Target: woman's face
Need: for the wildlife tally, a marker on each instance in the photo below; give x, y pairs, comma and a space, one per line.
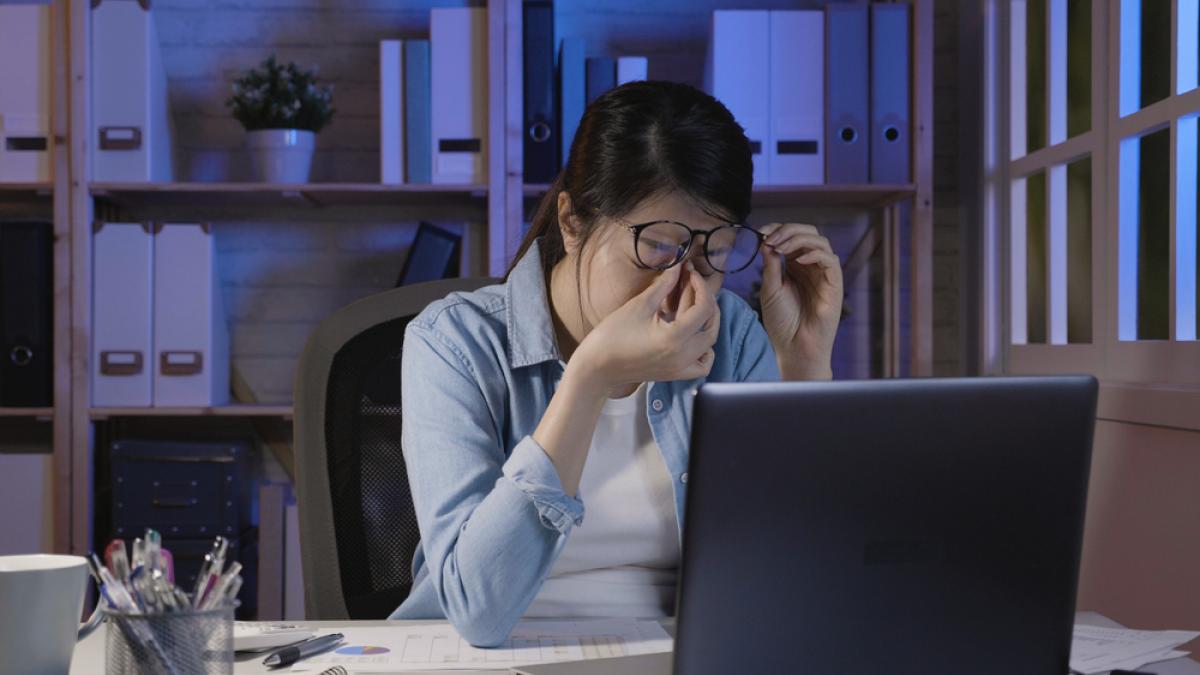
611, 275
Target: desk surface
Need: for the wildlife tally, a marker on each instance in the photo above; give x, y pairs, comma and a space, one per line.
89, 654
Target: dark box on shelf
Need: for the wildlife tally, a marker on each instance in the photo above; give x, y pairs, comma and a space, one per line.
183, 490
190, 492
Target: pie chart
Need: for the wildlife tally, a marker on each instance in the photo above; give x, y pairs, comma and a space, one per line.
362, 650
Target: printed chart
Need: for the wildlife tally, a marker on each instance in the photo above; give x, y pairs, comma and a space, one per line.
436, 646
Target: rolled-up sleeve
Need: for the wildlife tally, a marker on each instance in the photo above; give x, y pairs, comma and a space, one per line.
491, 526
530, 468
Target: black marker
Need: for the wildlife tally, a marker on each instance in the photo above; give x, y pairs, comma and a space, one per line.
289, 655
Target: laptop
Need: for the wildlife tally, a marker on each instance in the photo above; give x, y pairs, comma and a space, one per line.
888, 526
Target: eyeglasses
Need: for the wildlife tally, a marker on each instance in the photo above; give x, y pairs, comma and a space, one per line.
662, 244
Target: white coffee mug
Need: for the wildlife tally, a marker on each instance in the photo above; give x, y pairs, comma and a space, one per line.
41, 598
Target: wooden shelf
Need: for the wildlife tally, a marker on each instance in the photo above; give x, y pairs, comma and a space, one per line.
314, 195
39, 413
871, 196
232, 410
26, 193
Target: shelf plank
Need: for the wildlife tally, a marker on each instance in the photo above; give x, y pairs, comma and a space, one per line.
232, 410
315, 195
38, 187
46, 413
26, 193
871, 196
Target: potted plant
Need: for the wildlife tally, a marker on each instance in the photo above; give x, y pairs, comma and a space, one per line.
282, 108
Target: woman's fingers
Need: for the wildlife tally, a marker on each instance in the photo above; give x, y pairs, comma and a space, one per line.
700, 367
776, 232
692, 318
797, 241
828, 262
659, 290
687, 297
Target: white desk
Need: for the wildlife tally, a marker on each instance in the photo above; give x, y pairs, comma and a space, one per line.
89, 654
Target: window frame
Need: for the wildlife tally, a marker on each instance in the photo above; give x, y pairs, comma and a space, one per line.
1172, 361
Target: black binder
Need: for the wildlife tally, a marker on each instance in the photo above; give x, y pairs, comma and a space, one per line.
26, 317
601, 76
541, 127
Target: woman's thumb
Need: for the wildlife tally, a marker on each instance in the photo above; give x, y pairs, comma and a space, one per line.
661, 287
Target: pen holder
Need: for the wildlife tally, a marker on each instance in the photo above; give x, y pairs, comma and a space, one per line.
179, 643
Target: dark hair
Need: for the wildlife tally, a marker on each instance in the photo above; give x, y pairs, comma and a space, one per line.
641, 139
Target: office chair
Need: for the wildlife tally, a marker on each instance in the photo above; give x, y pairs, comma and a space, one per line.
358, 531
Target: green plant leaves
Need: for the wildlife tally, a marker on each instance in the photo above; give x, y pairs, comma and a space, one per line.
276, 96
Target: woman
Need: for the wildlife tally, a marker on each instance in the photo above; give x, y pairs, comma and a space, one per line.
567, 390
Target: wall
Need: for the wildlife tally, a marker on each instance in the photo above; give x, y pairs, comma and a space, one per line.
281, 276
1141, 557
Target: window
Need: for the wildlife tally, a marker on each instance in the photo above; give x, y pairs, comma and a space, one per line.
1091, 174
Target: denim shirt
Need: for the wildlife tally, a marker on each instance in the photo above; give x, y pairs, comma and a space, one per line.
478, 373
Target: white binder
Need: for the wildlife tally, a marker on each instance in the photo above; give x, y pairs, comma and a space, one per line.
458, 65
25, 93
796, 153
632, 69
131, 123
391, 112
191, 341
122, 306
737, 74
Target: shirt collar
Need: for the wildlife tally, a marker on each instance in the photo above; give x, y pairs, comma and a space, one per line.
531, 337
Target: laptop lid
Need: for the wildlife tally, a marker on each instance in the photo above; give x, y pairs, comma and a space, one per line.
897, 526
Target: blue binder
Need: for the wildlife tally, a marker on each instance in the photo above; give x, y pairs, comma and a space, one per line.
847, 80
601, 76
541, 132
418, 129
891, 137
572, 80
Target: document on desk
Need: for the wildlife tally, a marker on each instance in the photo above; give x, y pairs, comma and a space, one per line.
439, 647
1098, 650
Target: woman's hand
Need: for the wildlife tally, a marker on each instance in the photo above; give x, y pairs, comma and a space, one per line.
653, 338
801, 299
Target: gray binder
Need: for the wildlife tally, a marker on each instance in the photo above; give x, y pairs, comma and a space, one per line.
891, 139
847, 80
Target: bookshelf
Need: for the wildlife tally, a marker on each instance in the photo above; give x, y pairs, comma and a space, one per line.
39, 413
494, 210
40, 189
870, 196
315, 195
232, 410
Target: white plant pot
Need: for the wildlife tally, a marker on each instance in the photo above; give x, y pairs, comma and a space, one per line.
281, 155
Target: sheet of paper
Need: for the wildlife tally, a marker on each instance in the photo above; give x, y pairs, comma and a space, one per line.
1096, 650
439, 647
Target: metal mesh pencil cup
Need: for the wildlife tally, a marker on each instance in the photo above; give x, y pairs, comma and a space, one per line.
181, 643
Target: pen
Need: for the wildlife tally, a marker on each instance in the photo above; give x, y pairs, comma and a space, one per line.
289, 655
217, 595
202, 579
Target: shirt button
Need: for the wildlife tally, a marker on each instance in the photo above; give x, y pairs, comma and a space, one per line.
657, 404
683, 478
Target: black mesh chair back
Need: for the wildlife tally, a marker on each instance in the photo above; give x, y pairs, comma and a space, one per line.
358, 531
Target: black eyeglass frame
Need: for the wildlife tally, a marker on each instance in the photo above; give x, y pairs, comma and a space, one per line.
636, 229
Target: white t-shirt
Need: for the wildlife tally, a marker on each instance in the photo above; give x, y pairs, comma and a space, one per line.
622, 561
